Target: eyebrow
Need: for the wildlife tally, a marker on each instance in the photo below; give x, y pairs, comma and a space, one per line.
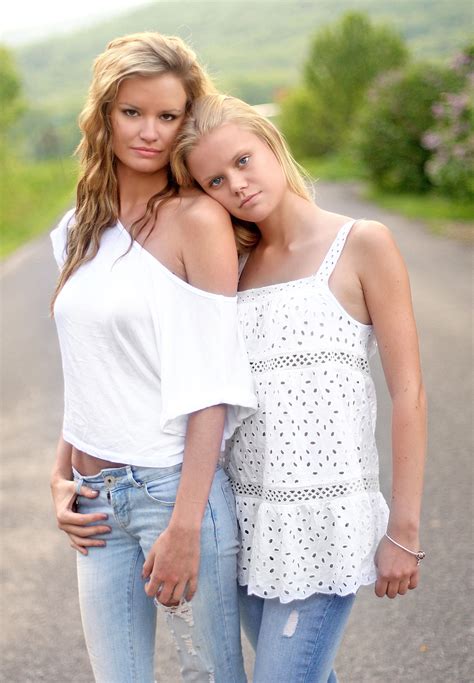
134, 106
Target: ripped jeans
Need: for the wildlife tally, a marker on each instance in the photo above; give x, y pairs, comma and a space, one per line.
295, 641
119, 619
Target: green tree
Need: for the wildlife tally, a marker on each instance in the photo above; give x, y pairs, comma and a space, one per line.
343, 61
11, 104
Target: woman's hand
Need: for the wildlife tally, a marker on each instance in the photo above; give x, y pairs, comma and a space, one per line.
172, 566
397, 570
74, 524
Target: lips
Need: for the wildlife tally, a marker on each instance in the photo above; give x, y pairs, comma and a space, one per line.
248, 199
147, 150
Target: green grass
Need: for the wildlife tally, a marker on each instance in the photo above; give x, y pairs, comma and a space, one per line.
333, 167
33, 196
444, 216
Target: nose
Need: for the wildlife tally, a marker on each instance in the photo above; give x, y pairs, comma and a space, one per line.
238, 182
149, 130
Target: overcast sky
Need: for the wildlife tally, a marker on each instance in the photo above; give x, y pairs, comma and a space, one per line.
26, 20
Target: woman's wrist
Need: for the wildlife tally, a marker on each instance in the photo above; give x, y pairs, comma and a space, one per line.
186, 521
58, 476
404, 531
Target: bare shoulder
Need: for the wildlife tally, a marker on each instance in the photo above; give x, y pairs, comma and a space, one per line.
373, 243
371, 235
197, 211
207, 243
377, 257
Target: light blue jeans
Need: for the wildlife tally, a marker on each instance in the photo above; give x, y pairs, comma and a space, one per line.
119, 620
295, 641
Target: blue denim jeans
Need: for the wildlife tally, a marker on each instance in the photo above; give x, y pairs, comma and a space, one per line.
119, 619
295, 641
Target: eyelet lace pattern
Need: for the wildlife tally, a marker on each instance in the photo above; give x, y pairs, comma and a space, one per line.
296, 360
304, 468
297, 495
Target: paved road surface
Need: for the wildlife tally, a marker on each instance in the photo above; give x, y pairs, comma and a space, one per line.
425, 637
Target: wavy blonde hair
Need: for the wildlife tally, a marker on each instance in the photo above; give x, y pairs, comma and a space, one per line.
146, 54
215, 110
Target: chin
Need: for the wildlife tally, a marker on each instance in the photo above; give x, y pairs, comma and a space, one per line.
253, 216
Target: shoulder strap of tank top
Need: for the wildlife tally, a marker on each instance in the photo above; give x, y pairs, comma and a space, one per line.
335, 250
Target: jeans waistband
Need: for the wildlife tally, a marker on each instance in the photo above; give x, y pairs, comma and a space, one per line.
129, 475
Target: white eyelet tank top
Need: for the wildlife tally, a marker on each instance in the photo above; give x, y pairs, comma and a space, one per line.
304, 467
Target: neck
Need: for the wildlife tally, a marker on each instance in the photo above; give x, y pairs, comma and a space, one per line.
137, 188
290, 222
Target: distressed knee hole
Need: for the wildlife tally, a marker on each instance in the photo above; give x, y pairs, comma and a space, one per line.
188, 641
182, 611
291, 624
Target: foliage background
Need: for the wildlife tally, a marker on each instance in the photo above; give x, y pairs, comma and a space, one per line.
254, 49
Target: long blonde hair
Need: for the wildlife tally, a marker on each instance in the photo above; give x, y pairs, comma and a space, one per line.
144, 54
215, 110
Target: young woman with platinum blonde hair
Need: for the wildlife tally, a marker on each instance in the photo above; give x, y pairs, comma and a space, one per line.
317, 290
155, 377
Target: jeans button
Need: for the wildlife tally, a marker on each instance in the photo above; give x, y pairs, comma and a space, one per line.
109, 481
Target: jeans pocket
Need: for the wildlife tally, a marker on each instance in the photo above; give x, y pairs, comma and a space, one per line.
163, 491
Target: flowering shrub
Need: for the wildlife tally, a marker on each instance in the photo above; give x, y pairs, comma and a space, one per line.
451, 139
397, 113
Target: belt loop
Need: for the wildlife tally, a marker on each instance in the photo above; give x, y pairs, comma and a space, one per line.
79, 483
131, 478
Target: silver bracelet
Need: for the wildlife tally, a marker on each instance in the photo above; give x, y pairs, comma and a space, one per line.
420, 555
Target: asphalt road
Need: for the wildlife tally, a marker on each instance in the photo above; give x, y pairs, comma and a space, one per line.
424, 637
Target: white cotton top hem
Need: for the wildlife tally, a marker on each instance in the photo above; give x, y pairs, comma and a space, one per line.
142, 350
338, 565
128, 457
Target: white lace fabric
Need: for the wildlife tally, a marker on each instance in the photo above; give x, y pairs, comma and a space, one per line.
304, 468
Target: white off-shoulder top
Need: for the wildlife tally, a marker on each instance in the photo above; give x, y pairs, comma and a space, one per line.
304, 467
141, 350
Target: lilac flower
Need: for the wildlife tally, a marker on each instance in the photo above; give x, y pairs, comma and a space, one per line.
431, 140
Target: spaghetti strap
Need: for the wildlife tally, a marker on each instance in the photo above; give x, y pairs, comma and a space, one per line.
327, 266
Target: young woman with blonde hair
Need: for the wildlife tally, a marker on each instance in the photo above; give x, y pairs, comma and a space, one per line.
155, 377
317, 289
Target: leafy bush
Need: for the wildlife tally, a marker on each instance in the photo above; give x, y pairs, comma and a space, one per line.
451, 139
11, 104
397, 113
305, 125
33, 196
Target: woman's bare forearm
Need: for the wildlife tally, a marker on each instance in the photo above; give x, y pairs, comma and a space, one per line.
62, 467
201, 453
408, 459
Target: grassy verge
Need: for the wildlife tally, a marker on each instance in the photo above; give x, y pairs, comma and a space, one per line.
33, 196
443, 215
333, 167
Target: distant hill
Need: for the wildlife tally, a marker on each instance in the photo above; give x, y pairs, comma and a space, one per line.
253, 48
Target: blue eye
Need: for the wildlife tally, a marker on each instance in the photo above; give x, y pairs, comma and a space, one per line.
168, 117
132, 113
243, 161
215, 182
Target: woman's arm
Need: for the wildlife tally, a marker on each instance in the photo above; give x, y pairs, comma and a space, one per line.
210, 258
386, 289
63, 490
